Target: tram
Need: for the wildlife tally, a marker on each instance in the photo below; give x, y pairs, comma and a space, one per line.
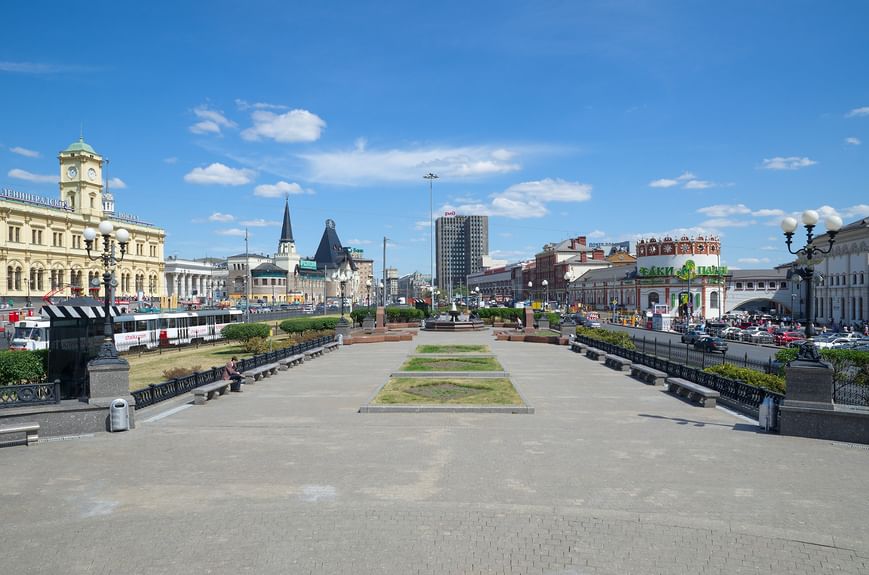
141, 331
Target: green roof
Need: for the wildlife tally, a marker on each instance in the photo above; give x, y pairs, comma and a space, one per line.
80, 146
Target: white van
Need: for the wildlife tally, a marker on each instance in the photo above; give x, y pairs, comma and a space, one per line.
30, 334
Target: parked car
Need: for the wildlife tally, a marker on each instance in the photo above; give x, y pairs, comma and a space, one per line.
710, 344
788, 336
731, 333
692, 336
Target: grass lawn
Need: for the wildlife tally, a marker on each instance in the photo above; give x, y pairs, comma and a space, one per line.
148, 368
452, 348
449, 391
457, 363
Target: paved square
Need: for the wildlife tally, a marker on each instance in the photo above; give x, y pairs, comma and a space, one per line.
609, 476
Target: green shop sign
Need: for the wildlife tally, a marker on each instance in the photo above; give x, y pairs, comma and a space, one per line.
689, 269
307, 265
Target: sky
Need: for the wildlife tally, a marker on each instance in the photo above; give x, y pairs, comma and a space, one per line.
616, 120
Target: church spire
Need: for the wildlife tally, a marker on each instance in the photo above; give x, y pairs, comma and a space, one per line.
287, 228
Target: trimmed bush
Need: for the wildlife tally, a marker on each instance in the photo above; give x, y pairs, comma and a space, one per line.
750, 376
403, 314
504, 313
18, 367
177, 372
303, 324
619, 338
256, 345
245, 331
849, 366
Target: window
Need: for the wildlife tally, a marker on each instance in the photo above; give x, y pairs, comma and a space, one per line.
738, 285
713, 300
140, 248
57, 239
783, 285
36, 237
76, 242
749, 285
14, 233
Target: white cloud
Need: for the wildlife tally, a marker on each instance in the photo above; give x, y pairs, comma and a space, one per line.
259, 223
292, 126
170, 160
245, 105
723, 210
768, 213
117, 183
697, 185
220, 174
753, 260
596, 234
852, 141
361, 165
30, 177
663, 183
686, 176
527, 199
35, 68
856, 212
279, 190
788, 163
218, 217
231, 232
357, 242
422, 225
211, 121
24, 152
857, 112
769, 248
725, 223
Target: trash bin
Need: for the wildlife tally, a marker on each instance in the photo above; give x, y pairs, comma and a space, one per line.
119, 416
766, 414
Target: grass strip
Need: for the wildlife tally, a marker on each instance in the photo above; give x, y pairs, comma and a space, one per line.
448, 391
452, 364
452, 348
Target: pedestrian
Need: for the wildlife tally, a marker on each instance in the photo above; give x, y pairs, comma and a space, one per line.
230, 372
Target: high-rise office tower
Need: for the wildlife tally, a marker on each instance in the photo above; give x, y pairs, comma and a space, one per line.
460, 242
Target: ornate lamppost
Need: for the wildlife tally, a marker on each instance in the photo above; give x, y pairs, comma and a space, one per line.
545, 284
107, 349
807, 259
568, 279
342, 275
368, 299
530, 297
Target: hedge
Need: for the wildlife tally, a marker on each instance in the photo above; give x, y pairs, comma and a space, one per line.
245, 331
17, 367
849, 366
619, 338
393, 314
301, 324
750, 376
505, 313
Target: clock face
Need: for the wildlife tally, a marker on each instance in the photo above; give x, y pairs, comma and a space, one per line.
71, 172
92, 174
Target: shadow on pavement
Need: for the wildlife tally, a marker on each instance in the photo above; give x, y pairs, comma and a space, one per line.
695, 423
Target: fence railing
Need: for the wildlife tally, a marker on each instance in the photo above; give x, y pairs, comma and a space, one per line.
30, 394
157, 392
737, 395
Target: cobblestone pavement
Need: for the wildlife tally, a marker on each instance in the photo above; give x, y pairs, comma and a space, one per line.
609, 476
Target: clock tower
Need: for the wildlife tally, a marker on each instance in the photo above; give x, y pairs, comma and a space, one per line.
81, 176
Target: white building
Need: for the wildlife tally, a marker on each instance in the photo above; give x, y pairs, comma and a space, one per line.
200, 281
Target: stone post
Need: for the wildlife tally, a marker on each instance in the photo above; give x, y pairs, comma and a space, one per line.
109, 379
529, 320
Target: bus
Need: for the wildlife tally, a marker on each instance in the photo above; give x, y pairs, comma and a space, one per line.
140, 331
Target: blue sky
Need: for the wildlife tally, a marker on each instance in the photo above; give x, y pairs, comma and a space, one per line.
616, 120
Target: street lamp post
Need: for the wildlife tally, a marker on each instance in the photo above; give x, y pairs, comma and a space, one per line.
545, 284
107, 349
568, 278
382, 294
342, 275
368, 299
431, 177
477, 291
530, 296
806, 257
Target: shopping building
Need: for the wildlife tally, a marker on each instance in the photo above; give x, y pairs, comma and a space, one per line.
41, 245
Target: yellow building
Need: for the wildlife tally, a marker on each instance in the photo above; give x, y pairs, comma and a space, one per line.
42, 251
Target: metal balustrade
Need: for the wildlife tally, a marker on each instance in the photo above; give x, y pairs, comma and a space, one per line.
157, 392
30, 394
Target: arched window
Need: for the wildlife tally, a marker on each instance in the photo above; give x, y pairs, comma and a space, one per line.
713, 300
653, 299
10, 278
18, 278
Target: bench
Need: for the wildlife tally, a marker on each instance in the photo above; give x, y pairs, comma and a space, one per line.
314, 352
617, 363
331, 346
257, 373
214, 390
31, 431
291, 361
696, 393
578, 347
595, 354
648, 375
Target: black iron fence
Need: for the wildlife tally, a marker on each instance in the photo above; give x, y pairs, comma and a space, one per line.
30, 394
157, 392
737, 395
686, 354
